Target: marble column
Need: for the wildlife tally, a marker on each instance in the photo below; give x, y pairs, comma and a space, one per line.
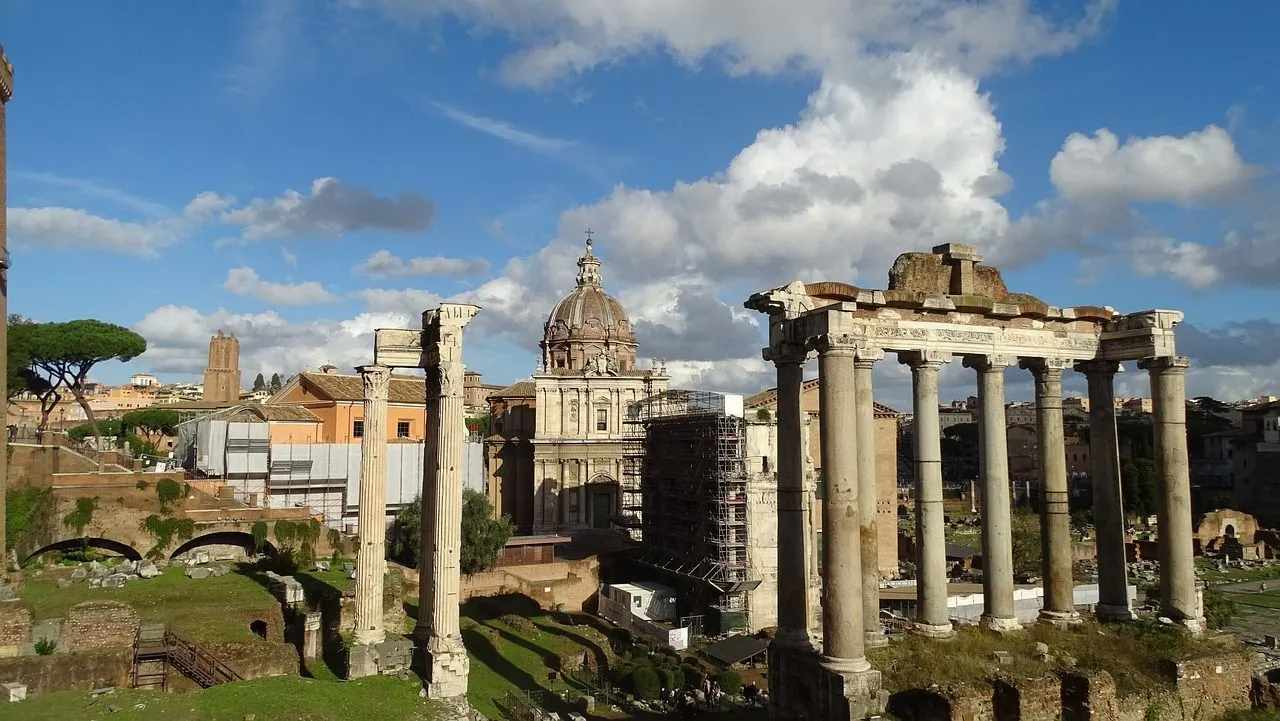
843, 646
998, 613
444, 656
793, 586
1108, 500
371, 560
932, 618
1179, 598
868, 494
1055, 511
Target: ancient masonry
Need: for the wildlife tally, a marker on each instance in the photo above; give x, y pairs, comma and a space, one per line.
939, 305
222, 376
6, 92
437, 349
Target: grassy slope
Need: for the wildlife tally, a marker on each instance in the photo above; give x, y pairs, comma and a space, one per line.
284, 698
210, 609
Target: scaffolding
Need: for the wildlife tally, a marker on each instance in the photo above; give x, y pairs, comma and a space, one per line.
689, 481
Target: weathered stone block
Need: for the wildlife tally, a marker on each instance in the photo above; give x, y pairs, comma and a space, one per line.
14, 692
198, 572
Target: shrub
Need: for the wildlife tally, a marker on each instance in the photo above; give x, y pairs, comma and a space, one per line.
645, 682
693, 676
168, 491
1219, 609
79, 518
730, 682
259, 533
672, 677
46, 647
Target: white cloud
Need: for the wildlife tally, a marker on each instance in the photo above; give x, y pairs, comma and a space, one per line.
385, 264
55, 227
97, 190
207, 205
178, 338
1188, 262
245, 281
1195, 167
1250, 256
505, 131
332, 208
408, 302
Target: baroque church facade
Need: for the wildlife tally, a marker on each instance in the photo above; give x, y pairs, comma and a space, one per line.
555, 453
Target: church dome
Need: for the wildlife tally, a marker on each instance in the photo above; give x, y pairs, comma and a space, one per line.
588, 329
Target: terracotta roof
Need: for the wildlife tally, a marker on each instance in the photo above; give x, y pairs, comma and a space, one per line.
287, 413
519, 389
769, 396
341, 387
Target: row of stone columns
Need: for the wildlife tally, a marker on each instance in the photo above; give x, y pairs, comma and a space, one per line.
850, 586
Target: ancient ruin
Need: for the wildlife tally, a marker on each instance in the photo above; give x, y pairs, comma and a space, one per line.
937, 306
437, 349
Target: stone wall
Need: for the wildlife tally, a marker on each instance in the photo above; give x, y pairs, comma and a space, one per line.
99, 625
15, 629
70, 671
563, 585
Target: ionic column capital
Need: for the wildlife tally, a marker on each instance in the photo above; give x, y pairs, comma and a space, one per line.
1177, 364
989, 363
866, 358
928, 359
1050, 367
1098, 367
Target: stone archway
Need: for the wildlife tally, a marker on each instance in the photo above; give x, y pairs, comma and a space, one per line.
235, 539
72, 544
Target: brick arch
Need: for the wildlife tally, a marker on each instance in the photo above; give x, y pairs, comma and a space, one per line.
223, 538
70, 544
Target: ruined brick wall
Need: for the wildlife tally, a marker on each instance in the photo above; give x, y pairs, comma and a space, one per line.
15, 629
99, 625
971, 702
67, 671
1210, 686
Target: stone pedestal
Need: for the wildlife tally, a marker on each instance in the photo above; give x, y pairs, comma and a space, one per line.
443, 656
311, 636
804, 687
393, 654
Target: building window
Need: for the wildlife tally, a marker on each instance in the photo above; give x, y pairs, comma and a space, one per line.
602, 419
357, 429
402, 429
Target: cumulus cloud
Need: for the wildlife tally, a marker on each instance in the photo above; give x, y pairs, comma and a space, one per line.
245, 281
56, 227
1194, 167
178, 337
1188, 262
331, 208
385, 264
408, 302
1250, 256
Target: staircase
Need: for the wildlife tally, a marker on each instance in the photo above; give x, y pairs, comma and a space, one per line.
156, 649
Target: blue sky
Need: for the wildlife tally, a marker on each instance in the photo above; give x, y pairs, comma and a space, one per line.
182, 169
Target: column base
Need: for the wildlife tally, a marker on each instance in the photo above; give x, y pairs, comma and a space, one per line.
393, 654
840, 665
1059, 619
445, 667
875, 639
1107, 612
807, 687
1194, 626
933, 630
998, 624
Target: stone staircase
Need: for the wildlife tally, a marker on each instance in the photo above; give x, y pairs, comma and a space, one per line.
157, 649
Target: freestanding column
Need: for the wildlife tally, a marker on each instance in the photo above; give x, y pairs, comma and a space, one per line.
371, 560
1055, 511
842, 640
1178, 597
6, 92
793, 586
868, 494
931, 542
998, 613
1108, 500
445, 657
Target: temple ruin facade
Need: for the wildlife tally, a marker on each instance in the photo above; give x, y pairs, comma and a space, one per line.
938, 307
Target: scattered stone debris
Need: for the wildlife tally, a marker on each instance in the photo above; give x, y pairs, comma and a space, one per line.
1002, 657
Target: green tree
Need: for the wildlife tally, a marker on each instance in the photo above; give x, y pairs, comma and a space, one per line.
1138, 483
23, 338
68, 351
276, 385
645, 682
167, 491
483, 536
259, 383
153, 423
1025, 533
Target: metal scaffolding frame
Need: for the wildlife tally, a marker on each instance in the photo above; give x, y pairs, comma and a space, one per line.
689, 481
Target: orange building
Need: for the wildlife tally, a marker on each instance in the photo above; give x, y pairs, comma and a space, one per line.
337, 400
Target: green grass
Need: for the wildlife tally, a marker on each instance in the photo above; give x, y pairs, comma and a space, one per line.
1132, 653
209, 609
283, 698
1265, 599
1208, 572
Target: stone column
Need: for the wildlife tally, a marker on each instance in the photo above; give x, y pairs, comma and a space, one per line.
842, 639
1055, 511
793, 586
998, 612
444, 656
1179, 599
6, 93
371, 560
931, 542
1108, 500
868, 494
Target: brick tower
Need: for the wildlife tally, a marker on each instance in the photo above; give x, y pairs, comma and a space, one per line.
222, 376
